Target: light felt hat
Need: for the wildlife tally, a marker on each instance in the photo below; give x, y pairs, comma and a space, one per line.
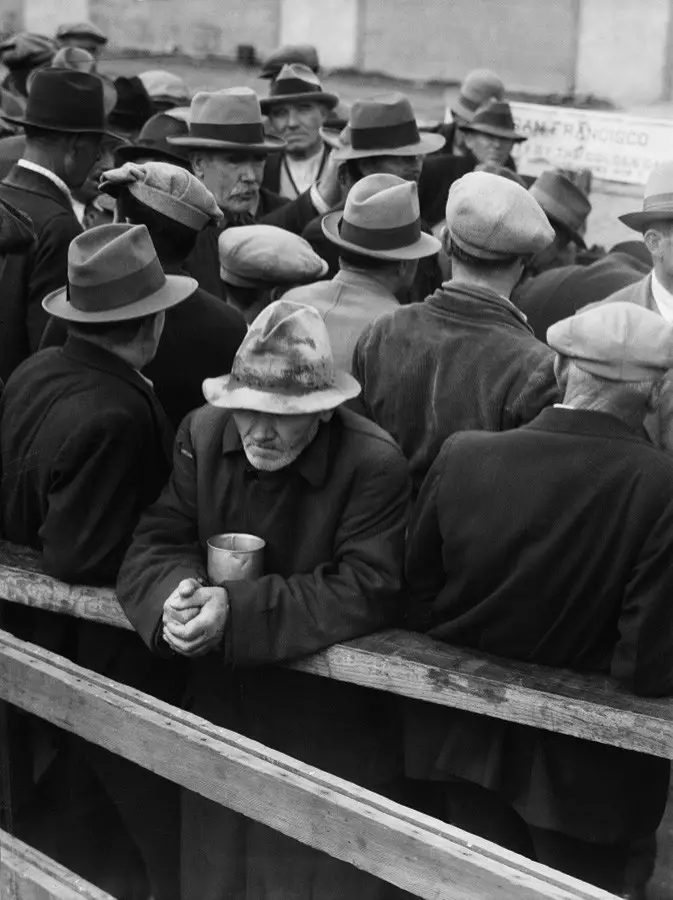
495, 118
229, 119
491, 217
657, 202
479, 86
382, 219
81, 30
616, 341
259, 256
165, 86
114, 275
297, 84
170, 190
565, 204
385, 126
284, 366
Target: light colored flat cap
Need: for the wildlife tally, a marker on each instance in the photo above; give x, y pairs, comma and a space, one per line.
162, 85
617, 341
167, 189
491, 217
254, 256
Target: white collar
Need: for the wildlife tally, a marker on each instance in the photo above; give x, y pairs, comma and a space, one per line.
47, 173
663, 299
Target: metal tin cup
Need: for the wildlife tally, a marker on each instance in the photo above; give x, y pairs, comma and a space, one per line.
235, 557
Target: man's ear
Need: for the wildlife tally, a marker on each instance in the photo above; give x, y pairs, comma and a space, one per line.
654, 398
196, 162
652, 239
561, 366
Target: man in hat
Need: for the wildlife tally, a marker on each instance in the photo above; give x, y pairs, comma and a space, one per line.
563, 530
152, 145
85, 447
132, 109
297, 108
289, 55
82, 34
259, 263
479, 86
165, 89
567, 208
275, 454
64, 124
491, 134
380, 242
202, 334
466, 357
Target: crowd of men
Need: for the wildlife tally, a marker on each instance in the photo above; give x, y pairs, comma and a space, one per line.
378, 348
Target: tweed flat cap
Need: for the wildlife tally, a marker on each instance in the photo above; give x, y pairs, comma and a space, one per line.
263, 256
170, 190
26, 50
163, 85
81, 30
617, 341
493, 218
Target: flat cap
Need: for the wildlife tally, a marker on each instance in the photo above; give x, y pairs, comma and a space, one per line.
26, 50
162, 85
81, 30
167, 189
305, 54
491, 217
255, 256
616, 341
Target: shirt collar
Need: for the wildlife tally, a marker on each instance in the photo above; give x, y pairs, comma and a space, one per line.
311, 464
47, 173
662, 298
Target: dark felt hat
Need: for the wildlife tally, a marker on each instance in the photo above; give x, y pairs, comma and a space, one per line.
564, 203
134, 106
65, 100
152, 144
296, 84
495, 118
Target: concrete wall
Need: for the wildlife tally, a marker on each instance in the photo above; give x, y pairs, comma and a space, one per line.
622, 48
330, 25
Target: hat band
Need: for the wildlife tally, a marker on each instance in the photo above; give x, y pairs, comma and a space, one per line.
294, 86
386, 138
247, 133
119, 292
284, 381
381, 238
658, 201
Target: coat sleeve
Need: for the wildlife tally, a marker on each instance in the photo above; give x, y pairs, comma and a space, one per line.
357, 592
293, 216
643, 657
165, 547
49, 272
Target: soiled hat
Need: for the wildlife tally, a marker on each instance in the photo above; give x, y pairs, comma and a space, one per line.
284, 366
565, 204
617, 341
479, 86
495, 118
493, 218
297, 84
114, 275
26, 50
152, 142
165, 86
81, 30
657, 202
170, 190
255, 256
304, 54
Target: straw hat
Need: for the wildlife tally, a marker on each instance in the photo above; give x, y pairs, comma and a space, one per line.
494, 118
229, 119
385, 126
114, 275
565, 204
297, 84
479, 86
284, 366
657, 202
262, 256
381, 219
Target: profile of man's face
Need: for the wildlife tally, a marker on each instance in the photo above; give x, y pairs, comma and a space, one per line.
298, 124
659, 241
233, 178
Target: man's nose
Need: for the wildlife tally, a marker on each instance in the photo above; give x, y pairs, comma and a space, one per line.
262, 429
247, 173
292, 119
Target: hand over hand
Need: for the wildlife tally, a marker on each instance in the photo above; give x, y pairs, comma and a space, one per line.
329, 187
204, 628
184, 603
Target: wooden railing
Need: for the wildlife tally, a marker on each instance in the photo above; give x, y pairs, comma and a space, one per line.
419, 854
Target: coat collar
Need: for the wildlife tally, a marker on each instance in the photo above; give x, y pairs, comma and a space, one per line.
468, 299
311, 465
362, 283
583, 421
27, 180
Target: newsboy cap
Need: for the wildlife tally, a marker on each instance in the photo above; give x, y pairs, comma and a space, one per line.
491, 217
616, 341
81, 30
255, 256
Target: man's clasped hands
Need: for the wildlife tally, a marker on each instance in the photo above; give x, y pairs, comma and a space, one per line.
194, 618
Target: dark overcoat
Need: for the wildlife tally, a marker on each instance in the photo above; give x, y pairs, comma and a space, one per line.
55, 225
17, 249
334, 523
549, 544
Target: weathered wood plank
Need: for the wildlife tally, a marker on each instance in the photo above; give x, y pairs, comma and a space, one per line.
27, 874
406, 848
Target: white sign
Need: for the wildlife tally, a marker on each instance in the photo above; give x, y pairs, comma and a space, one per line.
615, 146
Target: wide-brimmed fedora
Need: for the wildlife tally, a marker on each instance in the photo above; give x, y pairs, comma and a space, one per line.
114, 275
65, 100
385, 126
297, 84
152, 142
81, 61
657, 202
229, 119
495, 118
565, 204
382, 219
284, 366
479, 86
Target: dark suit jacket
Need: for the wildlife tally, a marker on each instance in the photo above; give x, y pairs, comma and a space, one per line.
55, 225
17, 249
549, 544
273, 167
11, 151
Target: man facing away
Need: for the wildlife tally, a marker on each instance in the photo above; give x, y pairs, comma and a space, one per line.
274, 454
551, 544
466, 357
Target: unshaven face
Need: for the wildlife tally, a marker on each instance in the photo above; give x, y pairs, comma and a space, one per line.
233, 178
272, 442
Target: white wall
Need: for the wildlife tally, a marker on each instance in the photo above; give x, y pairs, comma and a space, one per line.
330, 25
44, 16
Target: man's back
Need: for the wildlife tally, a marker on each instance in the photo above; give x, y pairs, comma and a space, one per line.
464, 359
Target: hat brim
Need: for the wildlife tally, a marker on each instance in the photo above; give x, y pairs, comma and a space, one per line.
495, 132
269, 145
575, 235
429, 143
463, 111
228, 393
63, 129
330, 100
426, 245
134, 152
176, 289
639, 221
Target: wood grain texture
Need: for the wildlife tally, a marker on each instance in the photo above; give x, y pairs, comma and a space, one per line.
413, 665
406, 848
27, 874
